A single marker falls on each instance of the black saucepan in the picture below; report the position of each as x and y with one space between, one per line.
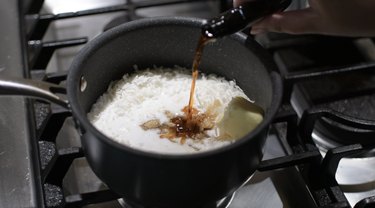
161 180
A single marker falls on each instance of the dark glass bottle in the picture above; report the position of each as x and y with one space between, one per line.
240 17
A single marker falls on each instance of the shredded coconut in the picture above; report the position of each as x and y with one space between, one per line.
146 95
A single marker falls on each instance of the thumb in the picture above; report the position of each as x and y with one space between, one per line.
293 22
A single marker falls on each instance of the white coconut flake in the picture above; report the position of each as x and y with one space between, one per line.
146 95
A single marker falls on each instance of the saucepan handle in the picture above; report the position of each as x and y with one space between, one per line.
33 88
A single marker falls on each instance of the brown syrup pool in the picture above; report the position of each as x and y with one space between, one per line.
192 124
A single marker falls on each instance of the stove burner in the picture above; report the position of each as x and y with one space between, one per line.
343 91
223 203
331 134
330 129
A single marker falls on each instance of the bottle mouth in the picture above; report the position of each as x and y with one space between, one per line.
208 34
208 31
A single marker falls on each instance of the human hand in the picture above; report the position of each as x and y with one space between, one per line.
329 17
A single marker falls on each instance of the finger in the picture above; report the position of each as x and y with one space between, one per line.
293 22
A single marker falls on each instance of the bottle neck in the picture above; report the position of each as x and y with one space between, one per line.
240 17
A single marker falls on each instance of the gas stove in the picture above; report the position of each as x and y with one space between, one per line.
319 152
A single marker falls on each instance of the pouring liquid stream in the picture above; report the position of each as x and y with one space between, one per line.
192 124
240 115
203 40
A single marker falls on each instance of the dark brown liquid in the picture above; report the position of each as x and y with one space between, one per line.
184 127
192 124
197 60
181 127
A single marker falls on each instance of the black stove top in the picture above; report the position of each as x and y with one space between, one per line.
325 125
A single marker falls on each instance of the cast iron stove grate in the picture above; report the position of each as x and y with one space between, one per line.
318 172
